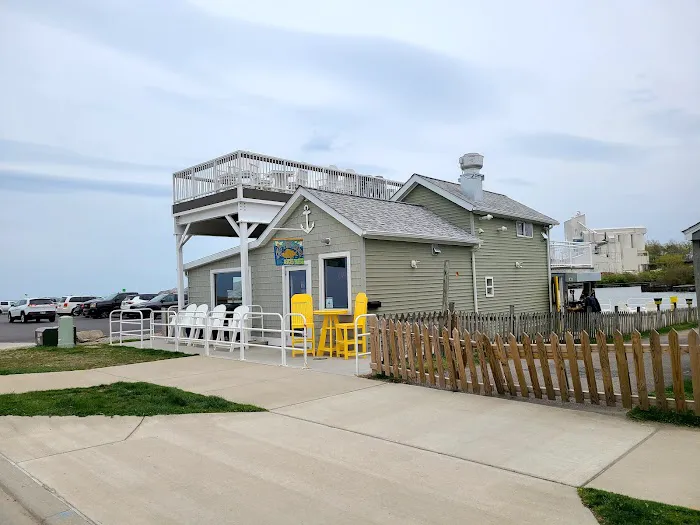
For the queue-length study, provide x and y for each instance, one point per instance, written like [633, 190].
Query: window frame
[523, 235]
[322, 278]
[492, 286]
[212, 283]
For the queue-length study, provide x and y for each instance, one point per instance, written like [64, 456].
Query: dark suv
[160, 302]
[103, 307]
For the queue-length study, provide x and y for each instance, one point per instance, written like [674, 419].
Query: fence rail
[507, 323]
[633, 374]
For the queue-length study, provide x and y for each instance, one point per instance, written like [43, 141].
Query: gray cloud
[401, 76]
[318, 143]
[24, 182]
[561, 146]
[19, 151]
[675, 123]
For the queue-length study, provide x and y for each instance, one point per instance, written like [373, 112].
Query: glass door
[297, 279]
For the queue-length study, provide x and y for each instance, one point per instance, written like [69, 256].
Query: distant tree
[664, 255]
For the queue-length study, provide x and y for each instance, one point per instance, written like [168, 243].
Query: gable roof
[493, 203]
[690, 232]
[379, 219]
[366, 217]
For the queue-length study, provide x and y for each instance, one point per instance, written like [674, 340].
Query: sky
[588, 106]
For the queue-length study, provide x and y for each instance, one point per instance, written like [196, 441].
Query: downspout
[549, 268]
[476, 294]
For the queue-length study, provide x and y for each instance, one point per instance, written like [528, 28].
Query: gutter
[549, 268]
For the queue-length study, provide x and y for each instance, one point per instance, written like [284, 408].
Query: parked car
[111, 302]
[159, 302]
[84, 308]
[70, 304]
[36, 308]
[134, 301]
[5, 306]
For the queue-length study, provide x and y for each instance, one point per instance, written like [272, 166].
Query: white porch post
[180, 272]
[245, 281]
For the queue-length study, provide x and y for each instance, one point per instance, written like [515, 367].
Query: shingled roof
[493, 203]
[387, 219]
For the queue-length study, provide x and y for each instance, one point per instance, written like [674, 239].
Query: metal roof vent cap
[471, 180]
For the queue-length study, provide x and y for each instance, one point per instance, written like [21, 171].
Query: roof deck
[262, 172]
[574, 255]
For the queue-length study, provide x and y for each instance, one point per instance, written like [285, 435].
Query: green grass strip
[38, 359]
[614, 509]
[117, 399]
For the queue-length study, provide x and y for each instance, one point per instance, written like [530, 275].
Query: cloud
[318, 143]
[561, 146]
[33, 183]
[18, 151]
[676, 123]
[516, 181]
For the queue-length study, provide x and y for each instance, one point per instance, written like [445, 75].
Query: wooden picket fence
[425, 355]
[506, 323]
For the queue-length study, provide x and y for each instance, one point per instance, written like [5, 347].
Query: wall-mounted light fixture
[436, 249]
[518, 264]
[503, 229]
[326, 241]
[486, 217]
[414, 263]
[545, 236]
[481, 230]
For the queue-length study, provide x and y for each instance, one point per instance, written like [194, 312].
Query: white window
[523, 229]
[335, 281]
[490, 288]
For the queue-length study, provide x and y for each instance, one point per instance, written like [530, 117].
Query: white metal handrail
[357, 341]
[256, 308]
[140, 331]
[571, 254]
[166, 317]
[255, 170]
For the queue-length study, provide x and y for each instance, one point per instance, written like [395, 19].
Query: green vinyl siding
[402, 289]
[526, 288]
[267, 278]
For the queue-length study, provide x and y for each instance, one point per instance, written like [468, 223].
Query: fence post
[512, 320]
[617, 317]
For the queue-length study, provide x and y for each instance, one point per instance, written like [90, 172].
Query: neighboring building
[615, 250]
[693, 234]
[391, 242]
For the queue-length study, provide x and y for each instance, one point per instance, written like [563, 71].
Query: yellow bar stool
[345, 331]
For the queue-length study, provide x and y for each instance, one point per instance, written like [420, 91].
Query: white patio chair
[181, 321]
[622, 307]
[198, 322]
[235, 324]
[650, 307]
[217, 320]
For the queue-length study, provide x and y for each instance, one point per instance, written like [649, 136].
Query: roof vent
[471, 180]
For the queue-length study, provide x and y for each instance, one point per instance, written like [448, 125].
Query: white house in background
[615, 250]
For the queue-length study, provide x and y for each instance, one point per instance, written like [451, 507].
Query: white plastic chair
[622, 307]
[650, 307]
[198, 322]
[217, 321]
[182, 320]
[235, 324]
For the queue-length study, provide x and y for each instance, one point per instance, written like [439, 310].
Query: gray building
[367, 234]
[693, 234]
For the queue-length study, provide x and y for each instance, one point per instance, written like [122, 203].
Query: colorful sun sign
[288, 252]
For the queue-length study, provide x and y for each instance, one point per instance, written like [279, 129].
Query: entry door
[297, 279]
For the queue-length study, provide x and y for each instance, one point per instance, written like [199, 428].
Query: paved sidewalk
[341, 449]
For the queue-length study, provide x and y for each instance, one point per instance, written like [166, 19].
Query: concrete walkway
[340, 449]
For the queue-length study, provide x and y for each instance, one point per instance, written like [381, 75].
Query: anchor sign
[308, 227]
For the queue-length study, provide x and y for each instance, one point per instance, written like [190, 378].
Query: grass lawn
[686, 419]
[614, 509]
[53, 359]
[118, 399]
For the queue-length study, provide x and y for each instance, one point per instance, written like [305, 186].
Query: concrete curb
[42, 504]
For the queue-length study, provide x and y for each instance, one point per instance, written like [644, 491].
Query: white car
[36, 308]
[69, 304]
[132, 302]
[5, 306]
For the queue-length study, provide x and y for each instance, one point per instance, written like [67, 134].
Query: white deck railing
[571, 254]
[254, 170]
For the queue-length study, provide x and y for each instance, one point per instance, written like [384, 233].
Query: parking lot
[21, 333]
